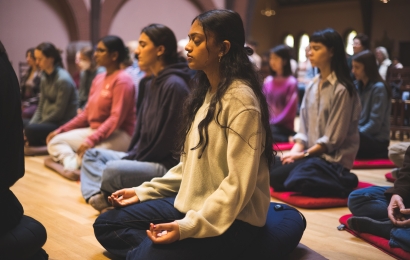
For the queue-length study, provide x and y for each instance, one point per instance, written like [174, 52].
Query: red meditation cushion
[295, 199]
[378, 242]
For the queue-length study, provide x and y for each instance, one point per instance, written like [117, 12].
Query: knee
[282, 232]
[29, 235]
[355, 197]
[90, 155]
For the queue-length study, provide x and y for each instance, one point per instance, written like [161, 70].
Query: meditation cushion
[282, 146]
[378, 242]
[295, 199]
[373, 164]
[389, 177]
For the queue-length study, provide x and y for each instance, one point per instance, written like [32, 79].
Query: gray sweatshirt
[58, 98]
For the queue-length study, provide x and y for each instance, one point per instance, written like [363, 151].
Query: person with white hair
[383, 61]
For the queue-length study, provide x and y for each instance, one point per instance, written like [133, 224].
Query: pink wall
[134, 15]
[26, 23]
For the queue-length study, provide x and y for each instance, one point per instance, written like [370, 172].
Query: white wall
[136, 14]
[27, 23]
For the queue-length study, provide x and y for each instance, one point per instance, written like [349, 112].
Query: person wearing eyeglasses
[108, 119]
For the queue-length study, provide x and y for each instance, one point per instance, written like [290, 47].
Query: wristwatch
[305, 153]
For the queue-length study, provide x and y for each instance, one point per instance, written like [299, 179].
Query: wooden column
[95, 17]
[366, 7]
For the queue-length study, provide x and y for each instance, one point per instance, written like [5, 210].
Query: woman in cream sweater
[214, 203]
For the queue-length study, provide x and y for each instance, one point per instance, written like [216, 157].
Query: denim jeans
[371, 202]
[103, 170]
[123, 233]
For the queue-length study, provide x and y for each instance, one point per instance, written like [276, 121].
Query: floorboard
[57, 203]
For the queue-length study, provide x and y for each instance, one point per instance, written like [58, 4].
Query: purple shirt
[282, 97]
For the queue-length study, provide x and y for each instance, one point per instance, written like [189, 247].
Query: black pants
[37, 133]
[314, 177]
[280, 134]
[21, 237]
[371, 148]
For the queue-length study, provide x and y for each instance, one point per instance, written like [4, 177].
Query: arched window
[303, 43]
[289, 40]
[349, 42]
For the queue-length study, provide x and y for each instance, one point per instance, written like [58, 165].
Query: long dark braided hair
[234, 65]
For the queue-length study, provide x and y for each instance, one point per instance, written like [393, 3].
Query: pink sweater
[282, 97]
[110, 106]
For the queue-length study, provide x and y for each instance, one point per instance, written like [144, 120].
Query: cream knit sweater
[230, 181]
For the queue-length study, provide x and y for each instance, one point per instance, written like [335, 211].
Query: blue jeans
[123, 233]
[103, 170]
[371, 202]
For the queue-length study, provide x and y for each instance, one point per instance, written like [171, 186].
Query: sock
[70, 163]
[371, 226]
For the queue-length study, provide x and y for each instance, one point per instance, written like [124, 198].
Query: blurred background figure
[58, 99]
[281, 94]
[130, 65]
[360, 43]
[305, 75]
[383, 61]
[88, 71]
[30, 87]
[374, 122]
[255, 58]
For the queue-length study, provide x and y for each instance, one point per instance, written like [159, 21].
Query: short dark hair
[159, 34]
[364, 40]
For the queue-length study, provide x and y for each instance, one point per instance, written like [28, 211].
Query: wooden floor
[57, 203]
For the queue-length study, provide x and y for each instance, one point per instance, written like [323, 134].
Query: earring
[220, 56]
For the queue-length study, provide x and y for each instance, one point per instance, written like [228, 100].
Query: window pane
[304, 42]
[349, 42]
[289, 41]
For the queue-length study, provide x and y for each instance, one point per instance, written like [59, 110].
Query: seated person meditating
[281, 93]
[88, 72]
[328, 139]
[108, 119]
[21, 237]
[375, 94]
[30, 87]
[384, 211]
[150, 153]
[221, 183]
[58, 99]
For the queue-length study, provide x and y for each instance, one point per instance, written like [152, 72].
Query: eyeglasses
[100, 50]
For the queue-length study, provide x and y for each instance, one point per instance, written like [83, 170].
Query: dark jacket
[11, 126]
[376, 105]
[159, 116]
[402, 184]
